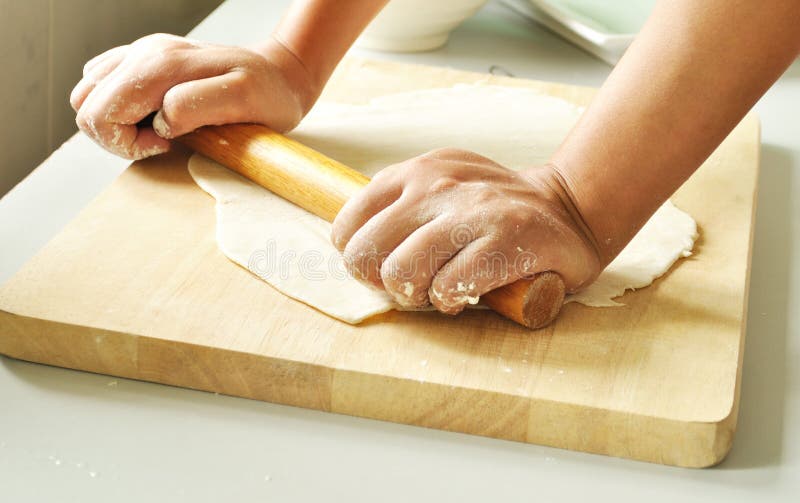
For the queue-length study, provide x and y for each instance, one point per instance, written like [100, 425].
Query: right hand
[451, 225]
[189, 84]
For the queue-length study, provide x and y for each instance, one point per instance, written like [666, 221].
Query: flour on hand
[290, 248]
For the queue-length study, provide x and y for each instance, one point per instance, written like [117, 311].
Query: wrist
[563, 195]
[297, 74]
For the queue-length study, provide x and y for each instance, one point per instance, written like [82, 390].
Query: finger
[127, 141]
[137, 86]
[114, 52]
[147, 144]
[211, 101]
[377, 238]
[118, 102]
[407, 273]
[381, 192]
[124, 140]
[98, 115]
[477, 269]
[90, 79]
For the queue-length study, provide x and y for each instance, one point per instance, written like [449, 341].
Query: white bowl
[416, 25]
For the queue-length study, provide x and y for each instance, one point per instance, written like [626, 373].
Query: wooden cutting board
[136, 287]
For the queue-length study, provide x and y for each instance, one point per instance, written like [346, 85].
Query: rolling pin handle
[321, 185]
[533, 302]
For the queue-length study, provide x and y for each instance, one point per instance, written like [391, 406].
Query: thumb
[191, 105]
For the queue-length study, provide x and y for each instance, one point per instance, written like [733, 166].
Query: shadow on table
[759, 436]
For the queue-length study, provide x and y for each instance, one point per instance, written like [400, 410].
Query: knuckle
[360, 261]
[443, 153]
[414, 172]
[239, 81]
[74, 99]
[176, 105]
[86, 123]
[516, 221]
[354, 258]
[383, 176]
[87, 67]
[337, 232]
[81, 123]
[157, 39]
[160, 49]
[406, 289]
[391, 273]
[453, 292]
[422, 162]
[443, 183]
[484, 197]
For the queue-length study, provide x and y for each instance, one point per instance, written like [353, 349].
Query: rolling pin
[321, 185]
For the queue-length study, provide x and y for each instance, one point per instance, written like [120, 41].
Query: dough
[284, 245]
[668, 235]
[290, 248]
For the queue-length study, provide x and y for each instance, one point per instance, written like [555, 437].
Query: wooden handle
[321, 185]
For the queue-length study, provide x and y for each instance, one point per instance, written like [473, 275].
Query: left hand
[450, 225]
[189, 84]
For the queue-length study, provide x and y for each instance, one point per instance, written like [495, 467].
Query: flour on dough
[290, 248]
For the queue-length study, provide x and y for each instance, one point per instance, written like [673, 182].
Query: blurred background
[43, 46]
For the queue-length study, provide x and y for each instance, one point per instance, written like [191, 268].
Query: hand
[190, 84]
[448, 226]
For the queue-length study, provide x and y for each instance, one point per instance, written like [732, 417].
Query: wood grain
[136, 287]
[321, 185]
[286, 167]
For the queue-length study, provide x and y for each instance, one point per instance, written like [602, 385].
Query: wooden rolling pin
[321, 185]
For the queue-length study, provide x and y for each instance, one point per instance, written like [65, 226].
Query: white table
[74, 436]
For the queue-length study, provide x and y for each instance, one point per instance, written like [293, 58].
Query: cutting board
[136, 287]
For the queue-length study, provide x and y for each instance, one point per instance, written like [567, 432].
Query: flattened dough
[290, 248]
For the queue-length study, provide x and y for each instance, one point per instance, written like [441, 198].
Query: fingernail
[161, 127]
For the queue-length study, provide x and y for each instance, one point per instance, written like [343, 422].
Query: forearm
[313, 37]
[687, 80]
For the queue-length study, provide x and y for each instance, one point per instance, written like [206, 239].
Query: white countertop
[73, 436]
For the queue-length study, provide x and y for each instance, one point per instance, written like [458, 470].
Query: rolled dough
[291, 249]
